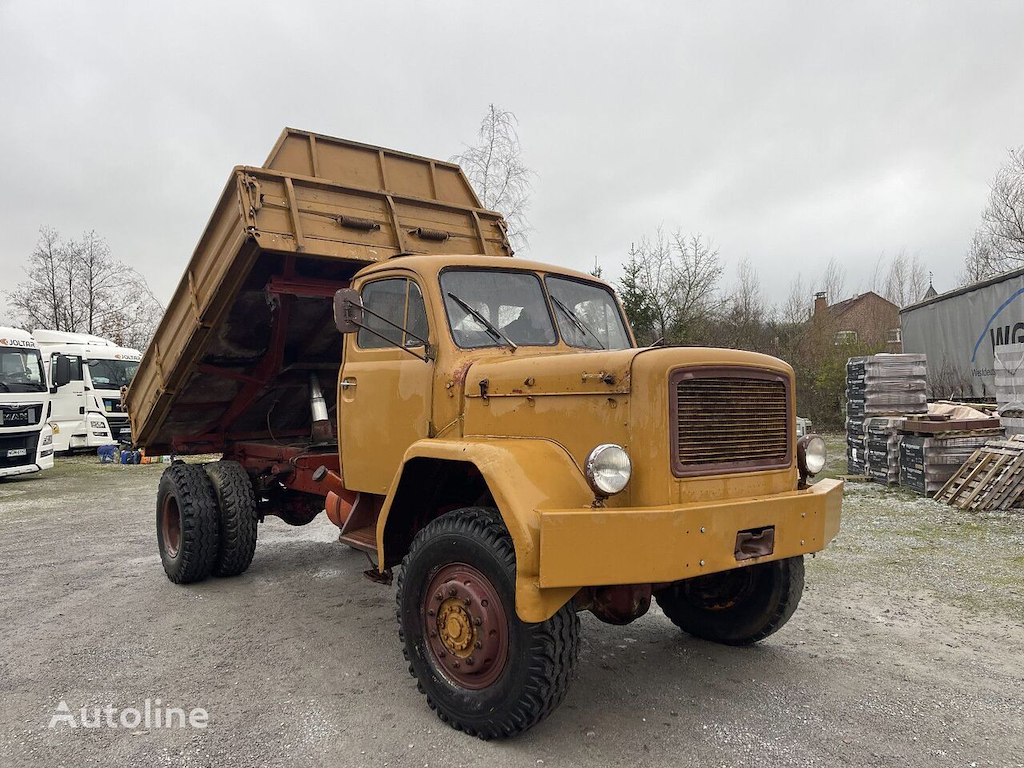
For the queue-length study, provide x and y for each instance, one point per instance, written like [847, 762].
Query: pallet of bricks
[880, 391]
[932, 451]
[856, 438]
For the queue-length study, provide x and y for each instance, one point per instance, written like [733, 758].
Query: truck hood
[595, 372]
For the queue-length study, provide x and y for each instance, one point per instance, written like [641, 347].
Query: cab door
[68, 406]
[385, 390]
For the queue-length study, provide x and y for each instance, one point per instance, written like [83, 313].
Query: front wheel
[736, 607]
[482, 670]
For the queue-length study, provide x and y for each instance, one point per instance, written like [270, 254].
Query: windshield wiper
[583, 327]
[492, 331]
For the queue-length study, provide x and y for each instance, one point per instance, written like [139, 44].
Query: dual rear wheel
[205, 521]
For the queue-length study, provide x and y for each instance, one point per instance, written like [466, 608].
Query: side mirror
[63, 374]
[348, 310]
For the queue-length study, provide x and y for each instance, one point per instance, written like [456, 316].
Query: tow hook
[377, 577]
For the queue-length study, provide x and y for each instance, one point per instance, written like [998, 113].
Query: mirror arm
[396, 327]
[426, 358]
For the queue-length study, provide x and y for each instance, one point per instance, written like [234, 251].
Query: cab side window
[400, 302]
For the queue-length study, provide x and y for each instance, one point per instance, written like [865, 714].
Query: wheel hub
[170, 524]
[455, 627]
[465, 626]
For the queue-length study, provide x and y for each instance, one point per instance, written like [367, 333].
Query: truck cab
[87, 410]
[26, 440]
[523, 369]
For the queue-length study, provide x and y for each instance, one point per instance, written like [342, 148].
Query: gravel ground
[907, 650]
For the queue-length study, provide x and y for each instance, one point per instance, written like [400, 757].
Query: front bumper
[595, 547]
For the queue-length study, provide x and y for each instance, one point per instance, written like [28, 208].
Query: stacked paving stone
[895, 385]
[883, 442]
[856, 437]
[927, 462]
[1009, 365]
[879, 390]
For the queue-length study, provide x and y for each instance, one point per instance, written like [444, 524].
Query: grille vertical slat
[730, 421]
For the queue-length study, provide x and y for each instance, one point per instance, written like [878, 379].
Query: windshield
[112, 374]
[21, 370]
[588, 315]
[490, 308]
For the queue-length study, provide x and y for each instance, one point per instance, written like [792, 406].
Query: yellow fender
[524, 475]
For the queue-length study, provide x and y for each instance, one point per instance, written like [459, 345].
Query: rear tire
[482, 670]
[187, 531]
[736, 607]
[236, 506]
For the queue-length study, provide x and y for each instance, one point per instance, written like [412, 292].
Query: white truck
[26, 440]
[87, 410]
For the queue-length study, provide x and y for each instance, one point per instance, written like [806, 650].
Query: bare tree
[1003, 218]
[41, 300]
[78, 286]
[906, 280]
[982, 259]
[670, 285]
[495, 168]
[796, 308]
[833, 281]
[998, 244]
[746, 322]
[747, 304]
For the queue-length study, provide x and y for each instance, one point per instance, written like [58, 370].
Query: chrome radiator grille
[729, 420]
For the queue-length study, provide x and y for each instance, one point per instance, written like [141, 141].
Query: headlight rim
[589, 469]
[801, 455]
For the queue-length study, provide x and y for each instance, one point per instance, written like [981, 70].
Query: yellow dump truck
[353, 336]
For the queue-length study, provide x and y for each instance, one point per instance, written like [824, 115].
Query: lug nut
[456, 665]
[470, 661]
[478, 645]
[467, 601]
[476, 621]
[451, 591]
[430, 613]
[439, 596]
[433, 633]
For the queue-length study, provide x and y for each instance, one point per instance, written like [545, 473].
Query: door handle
[348, 383]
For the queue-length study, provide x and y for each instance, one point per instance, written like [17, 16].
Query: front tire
[236, 505]
[187, 531]
[482, 670]
[736, 607]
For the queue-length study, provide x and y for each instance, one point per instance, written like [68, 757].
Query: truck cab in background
[26, 440]
[87, 410]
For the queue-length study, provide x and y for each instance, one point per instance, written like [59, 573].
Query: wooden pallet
[992, 478]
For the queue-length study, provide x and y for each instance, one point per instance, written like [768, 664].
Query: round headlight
[608, 469]
[811, 454]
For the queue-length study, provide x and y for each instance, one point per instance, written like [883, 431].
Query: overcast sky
[787, 133]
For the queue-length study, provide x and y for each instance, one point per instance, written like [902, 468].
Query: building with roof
[865, 320]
